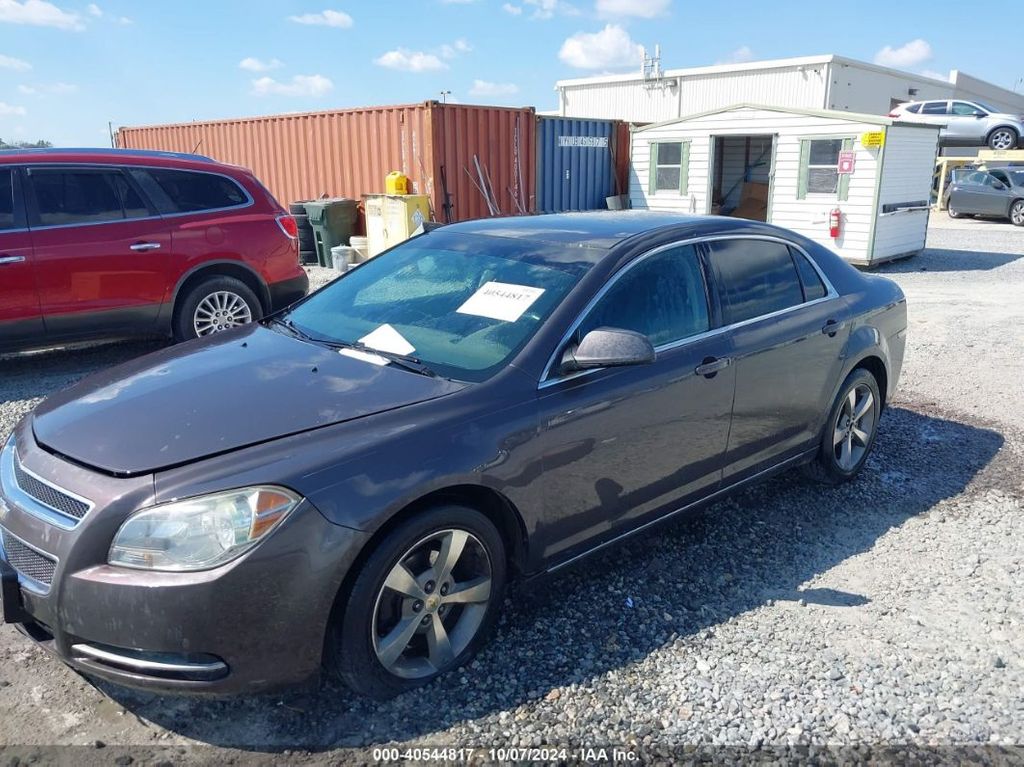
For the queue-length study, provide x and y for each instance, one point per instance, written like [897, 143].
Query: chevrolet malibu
[351, 483]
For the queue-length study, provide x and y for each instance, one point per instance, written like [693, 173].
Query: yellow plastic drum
[396, 183]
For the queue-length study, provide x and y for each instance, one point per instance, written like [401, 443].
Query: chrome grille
[27, 560]
[48, 495]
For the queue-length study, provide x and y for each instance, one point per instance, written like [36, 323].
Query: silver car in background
[998, 192]
[966, 123]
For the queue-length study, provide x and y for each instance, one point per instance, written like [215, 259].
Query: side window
[83, 196]
[915, 108]
[662, 297]
[668, 166]
[823, 165]
[964, 109]
[934, 108]
[6, 199]
[812, 284]
[185, 191]
[756, 277]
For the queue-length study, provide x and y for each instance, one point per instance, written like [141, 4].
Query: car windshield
[985, 106]
[460, 304]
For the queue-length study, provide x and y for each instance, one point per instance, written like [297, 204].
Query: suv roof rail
[105, 150]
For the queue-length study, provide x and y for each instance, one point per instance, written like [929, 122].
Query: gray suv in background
[966, 123]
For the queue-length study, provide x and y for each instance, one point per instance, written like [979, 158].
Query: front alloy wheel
[1002, 138]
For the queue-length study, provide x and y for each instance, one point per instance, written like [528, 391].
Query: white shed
[794, 167]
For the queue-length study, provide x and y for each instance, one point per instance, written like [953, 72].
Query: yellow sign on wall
[872, 139]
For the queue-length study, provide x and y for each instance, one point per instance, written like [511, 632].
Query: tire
[1017, 213]
[829, 465]
[356, 642]
[954, 213]
[308, 257]
[221, 293]
[297, 208]
[1003, 138]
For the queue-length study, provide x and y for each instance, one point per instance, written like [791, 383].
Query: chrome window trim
[158, 217]
[10, 488]
[830, 293]
[28, 581]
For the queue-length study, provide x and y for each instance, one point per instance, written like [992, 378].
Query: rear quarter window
[182, 191]
[813, 287]
[755, 278]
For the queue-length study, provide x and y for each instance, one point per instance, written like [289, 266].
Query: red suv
[115, 242]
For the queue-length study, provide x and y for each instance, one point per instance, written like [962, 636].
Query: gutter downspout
[679, 100]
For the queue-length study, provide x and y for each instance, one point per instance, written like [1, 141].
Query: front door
[788, 331]
[624, 445]
[101, 253]
[20, 317]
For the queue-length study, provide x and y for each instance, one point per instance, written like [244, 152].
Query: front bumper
[252, 625]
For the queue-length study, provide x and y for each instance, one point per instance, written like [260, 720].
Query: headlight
[202, 532]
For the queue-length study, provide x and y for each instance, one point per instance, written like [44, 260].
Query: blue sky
[67, 68]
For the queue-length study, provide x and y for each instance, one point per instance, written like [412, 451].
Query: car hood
[215, 395]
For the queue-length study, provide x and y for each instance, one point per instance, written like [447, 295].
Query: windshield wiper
[292, 328]
[405, 361]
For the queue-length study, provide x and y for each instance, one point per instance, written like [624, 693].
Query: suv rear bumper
[287, 292]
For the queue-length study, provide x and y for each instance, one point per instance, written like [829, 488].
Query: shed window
[823, 166]
[669, 161]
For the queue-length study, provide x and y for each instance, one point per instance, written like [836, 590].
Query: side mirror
[979, 115]
[609, 347]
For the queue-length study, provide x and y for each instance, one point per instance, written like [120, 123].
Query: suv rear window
[6, 199]
[915, 108]
[756, 277]
[84, 196]
[182, 191]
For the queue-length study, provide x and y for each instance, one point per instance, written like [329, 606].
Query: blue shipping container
[575, 163]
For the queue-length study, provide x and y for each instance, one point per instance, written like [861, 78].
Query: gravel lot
[889, 610]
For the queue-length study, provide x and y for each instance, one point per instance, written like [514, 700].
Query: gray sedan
[997, 193]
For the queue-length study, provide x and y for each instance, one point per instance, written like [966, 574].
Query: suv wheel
[1002, 138]
[422, 604]
[1017, 213]
[849, 432]
[953, 212]
[214, 305]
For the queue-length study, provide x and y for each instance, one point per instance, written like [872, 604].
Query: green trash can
[333, 221]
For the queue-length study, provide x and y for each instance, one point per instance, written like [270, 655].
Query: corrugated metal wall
[576, 163]
[347, 153]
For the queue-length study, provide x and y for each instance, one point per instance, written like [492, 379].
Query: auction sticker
[501, 301]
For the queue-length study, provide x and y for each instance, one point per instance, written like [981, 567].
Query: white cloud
[94, 10]
[327, 18]
[253, 64]
[410, 61]
[908, 55]
[644, 9]
[485, 88]
[18, 65]
[124, 21]
[515, 10]
[738, 56]
[53, 89]
[546, 9]
[7, 110]
[936, 75]
[611, 48]
[299, 85]
[38, 13]
[453, 50]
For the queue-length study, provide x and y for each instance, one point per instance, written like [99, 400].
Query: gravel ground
[885, 611]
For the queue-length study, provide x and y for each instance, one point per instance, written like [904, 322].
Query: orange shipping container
[348, 153]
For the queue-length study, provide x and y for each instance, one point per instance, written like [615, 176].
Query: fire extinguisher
[835, 219]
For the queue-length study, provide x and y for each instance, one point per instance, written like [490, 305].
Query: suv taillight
[288, 226]
[894, 113]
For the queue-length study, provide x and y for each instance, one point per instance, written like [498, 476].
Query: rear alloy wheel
[849, 432]
[422, 604]
[215, 305]
[1017, 213]
[953, 212]
[1002, 138]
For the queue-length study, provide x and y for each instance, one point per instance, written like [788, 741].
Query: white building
[794, 167]
[813, 82]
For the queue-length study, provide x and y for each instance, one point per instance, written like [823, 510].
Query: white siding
[808, 216]
[973, 89]
[906, 177]
[871, 90]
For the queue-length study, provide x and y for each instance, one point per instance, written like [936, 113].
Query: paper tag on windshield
[500, 301]
[356, 354]
[387, 339]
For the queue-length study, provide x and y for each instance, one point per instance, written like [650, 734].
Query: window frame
[155, 203]
[684, 168]
[32, 211]
[20, 216]
[947, 102]
[806, 167]
[549, 376]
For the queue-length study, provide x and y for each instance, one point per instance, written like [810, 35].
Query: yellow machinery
[392, 218]
[986, 158]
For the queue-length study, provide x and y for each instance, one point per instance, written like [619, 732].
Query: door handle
[711, 365]
[139, 246]
[8, 259]
[831, 328]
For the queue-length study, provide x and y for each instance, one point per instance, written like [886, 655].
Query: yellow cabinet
[392, 218]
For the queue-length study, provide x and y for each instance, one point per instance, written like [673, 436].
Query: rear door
[101, 251]
[788, 330]
[936, 113]
[20, 317]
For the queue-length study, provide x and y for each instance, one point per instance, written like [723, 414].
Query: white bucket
[361, 247]
[341, 257]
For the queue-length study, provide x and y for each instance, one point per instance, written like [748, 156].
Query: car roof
[600, 231]
[100, 155]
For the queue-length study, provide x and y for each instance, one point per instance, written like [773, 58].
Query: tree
[24, 144]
